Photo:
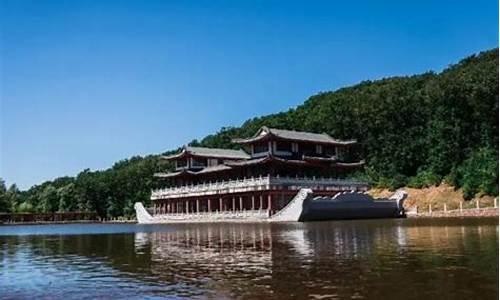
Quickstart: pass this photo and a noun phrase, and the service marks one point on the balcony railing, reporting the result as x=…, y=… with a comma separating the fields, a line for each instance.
x=215, y=215
x=257, y=184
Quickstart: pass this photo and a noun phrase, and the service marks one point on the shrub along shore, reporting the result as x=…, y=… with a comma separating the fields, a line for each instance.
x=444, y=201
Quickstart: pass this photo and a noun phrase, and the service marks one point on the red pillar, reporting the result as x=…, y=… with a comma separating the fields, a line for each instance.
x=269, y=203
x=209, y=209
x=221, y=207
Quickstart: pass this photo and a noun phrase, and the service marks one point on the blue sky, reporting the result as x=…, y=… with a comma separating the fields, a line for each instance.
x=87, y=83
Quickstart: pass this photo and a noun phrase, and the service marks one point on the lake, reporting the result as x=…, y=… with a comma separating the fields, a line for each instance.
x=369, y=259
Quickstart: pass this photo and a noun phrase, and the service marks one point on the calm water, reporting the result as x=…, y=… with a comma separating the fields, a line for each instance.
x=379, y=259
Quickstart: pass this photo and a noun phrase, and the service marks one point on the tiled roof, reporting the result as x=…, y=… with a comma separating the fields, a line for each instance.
x=217, y=168
x=167, y=175
x=350, y=164
x=265, y=159
x=214, y=169
x=294, y=136
x=210, y=152
x=322, y=159
x=240, y=163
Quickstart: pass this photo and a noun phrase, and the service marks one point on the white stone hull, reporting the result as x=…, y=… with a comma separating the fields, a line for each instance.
x=301, y=208
x=290, y=213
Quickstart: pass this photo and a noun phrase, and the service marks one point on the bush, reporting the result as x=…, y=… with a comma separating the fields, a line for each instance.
x=478, y=173
x=25, y=207
x=425, y=178
x=392, y=183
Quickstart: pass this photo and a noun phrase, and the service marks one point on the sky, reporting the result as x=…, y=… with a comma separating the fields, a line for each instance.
x=84, y=84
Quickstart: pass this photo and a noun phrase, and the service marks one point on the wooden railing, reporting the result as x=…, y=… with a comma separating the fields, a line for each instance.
x=237, y=214
x=466, y=208
x=257, y=183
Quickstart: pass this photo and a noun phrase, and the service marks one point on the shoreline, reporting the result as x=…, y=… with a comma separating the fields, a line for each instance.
x=465, y=213
x=69, y=222
x=486, y=212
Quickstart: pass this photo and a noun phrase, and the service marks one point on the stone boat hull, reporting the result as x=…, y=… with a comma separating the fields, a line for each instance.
x=302, y=208
x=350, y=206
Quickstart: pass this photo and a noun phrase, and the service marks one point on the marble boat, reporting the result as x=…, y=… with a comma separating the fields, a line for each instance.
x=302, y=208
x=276, y=175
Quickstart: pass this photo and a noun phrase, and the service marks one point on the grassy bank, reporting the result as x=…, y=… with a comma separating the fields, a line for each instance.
x=437, y=196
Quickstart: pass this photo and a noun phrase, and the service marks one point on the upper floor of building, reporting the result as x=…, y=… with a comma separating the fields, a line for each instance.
x=279, y=143
x=289, y=144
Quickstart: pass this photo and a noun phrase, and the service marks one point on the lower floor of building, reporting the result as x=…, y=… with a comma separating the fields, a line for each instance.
x=271, y=200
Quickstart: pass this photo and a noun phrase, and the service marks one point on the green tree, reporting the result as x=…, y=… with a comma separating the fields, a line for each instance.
x=48, y=199
x=478, y=173
x=66, y=195
x=4, y=199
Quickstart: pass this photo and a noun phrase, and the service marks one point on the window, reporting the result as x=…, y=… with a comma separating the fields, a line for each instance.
x=341, y=153
x=308, y=149
x=258, y=148
x=213, y=162
x=199, y=162
x=283, y=146
x=329, y=151
x=181, y=163
x=319, y=149
x=295, y=147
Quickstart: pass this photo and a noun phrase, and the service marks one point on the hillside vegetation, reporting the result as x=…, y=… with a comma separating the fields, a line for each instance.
x=414, y=131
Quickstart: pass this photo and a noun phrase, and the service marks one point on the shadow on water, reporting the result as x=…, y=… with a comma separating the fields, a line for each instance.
x=381, y=259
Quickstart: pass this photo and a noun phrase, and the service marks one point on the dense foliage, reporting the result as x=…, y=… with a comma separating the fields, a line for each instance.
x=110, y=193
x=416, y=131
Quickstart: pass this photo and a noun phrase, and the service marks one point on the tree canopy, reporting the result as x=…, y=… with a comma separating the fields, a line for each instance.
x=413, y=130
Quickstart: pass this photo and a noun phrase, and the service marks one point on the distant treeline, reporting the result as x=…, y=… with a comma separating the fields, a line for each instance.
x=413, y=131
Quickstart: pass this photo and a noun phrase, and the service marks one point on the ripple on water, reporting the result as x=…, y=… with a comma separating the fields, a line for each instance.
x=386, y=259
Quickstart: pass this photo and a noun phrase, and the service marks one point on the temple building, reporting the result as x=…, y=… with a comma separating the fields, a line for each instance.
x=261, y=178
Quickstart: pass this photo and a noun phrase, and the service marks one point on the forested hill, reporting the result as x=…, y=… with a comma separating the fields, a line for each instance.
x=415, y=130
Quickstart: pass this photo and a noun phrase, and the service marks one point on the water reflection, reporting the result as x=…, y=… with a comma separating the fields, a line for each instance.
x=386, y=259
